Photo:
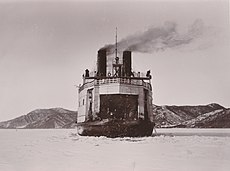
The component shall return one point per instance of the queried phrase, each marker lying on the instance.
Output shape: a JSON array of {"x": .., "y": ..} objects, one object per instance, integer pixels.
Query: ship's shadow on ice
[{"x": 76, "y": 137}]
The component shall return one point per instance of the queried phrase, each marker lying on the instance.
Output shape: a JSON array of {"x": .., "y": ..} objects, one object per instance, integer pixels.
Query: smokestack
[
  {"x": 101, "y": 63},
  {"x": 127, "y": 63}
]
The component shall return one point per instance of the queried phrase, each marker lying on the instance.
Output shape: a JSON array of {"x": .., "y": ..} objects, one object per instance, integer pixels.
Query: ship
[{"x": 114, "y": 100}]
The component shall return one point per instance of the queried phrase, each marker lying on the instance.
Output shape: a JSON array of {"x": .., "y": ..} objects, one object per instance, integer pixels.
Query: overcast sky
[{"x": 45, "y": 46}]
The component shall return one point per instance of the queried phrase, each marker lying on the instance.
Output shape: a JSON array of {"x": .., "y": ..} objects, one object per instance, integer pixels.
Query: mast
[{"x": 116, "y": 44}]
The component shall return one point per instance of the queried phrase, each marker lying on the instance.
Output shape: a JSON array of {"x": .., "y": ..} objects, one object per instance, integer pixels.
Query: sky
[{"x": 46, "y": 45}]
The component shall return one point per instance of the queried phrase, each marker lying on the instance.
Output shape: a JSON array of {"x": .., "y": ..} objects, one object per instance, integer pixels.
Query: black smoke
[{"x": 158, "y": 38}]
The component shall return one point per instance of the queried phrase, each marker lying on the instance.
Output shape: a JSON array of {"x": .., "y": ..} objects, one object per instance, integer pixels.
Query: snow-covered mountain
[
  {"x": 202, "y": 116},
  {"x": 215, "y": 119},
  {"x": 42, "y": 118}
]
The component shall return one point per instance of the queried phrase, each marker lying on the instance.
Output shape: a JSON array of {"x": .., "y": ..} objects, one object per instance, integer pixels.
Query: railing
[
  {"x": 113, "y": 80},
  {"x": 135, "y": 74}
]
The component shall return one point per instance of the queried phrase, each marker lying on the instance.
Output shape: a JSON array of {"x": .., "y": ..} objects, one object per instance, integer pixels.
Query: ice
[{"x": 63, "y": 150}]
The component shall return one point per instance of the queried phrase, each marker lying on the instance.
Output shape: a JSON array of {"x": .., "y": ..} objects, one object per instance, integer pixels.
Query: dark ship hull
[{"x": 116, "y": 128}]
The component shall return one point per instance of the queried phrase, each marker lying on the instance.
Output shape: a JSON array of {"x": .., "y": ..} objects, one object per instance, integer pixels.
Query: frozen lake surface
[{"x": 64, "y": 150}]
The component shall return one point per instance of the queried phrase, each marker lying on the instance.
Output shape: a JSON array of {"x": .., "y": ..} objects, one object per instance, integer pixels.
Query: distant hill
[
  {"x": 202, "y": 116},
  {"x": 42, "y": 118}
]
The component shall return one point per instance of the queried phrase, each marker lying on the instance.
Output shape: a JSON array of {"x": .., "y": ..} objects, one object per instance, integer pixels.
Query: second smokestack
[{"x": 127, "y": 63}]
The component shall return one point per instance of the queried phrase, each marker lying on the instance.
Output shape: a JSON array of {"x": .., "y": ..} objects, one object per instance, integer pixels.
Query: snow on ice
[{"x": 64, "y": 150}]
